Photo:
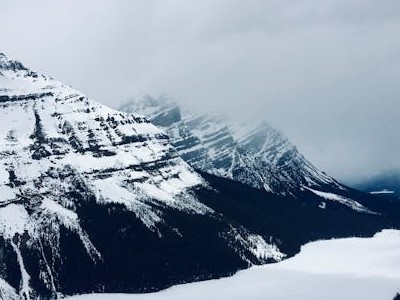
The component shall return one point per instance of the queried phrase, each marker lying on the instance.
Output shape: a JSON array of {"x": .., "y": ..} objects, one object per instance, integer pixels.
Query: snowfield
[{"x": 353, "y": 268}]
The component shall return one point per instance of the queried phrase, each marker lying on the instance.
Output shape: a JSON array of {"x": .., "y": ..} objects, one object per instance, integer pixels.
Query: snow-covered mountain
[
  {"x": 96, "y": 200},
  {"x": 60, "y": 153},
  {"x": 251, "y": 152}
]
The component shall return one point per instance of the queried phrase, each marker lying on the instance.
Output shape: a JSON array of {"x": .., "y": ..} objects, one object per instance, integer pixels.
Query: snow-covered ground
[{"x": 353, "y": 268}]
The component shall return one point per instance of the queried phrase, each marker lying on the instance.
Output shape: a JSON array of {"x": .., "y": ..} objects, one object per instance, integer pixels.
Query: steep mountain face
[
  {"x": 69, "y": 166},
  {"x": 95, "y": 200},
  {"x": 253, "y": 153},
  {"x": 257, "y": 155}
]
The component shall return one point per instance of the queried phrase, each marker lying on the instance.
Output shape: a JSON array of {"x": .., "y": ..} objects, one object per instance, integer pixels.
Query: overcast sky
[{"x": 325, "y": 72}]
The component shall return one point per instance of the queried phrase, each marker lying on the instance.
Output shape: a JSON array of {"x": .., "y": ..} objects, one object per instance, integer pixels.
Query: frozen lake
[{"x": 352, "y": 268}]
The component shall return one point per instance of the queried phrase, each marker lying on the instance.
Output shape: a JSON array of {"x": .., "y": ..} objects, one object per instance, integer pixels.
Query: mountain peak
[
  {"x": 8, "y": 64},
  {"x": 250, "y": 151},
  {"x": 73, "y": 171}
]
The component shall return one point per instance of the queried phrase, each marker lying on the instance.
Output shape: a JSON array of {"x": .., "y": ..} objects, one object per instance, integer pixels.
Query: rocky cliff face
[
  {"x": 250, "y": 152},
  {"x": 253, "y": 152},
  {"x": 67, "y": 163}
]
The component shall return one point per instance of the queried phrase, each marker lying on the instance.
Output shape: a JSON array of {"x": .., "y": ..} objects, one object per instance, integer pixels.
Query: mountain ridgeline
[
  {"x": 97, "y": 200},
  {"x": 251, "y": 152}
]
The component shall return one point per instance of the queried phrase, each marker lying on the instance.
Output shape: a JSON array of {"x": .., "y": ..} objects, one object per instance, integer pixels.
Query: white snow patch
[
  {"x": 7, "y": 291},
  {"x": 25, "y": 289},
  {"x": 6, "y": 193},
  {"x": 261, "y": 249},
  {"x": 68, "y": 217},
  {"x": 13, "y": 219},
  {"x": 382, "y": 192},
  {"x": 343, "y": 200}
]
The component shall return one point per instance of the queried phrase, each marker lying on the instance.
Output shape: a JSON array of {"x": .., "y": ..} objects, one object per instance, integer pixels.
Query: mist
[{"x": 323, "y": 72}]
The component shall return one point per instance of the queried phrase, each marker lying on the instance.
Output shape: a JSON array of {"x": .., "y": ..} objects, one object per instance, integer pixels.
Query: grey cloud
[{"x": 324, "y": 72}]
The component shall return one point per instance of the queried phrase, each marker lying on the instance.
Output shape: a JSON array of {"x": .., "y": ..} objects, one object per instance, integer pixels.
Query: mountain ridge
[
  {"x": 64, "y": 152},
  {"x": 248, "y": 151},
  {"x": 95, "y": 200}
]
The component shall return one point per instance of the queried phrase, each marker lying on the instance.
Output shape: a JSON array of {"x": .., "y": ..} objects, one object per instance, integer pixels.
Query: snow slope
[
  {"x": 346, "y": 269},
  {"x": 249, "y": 151},
  {"x": 61, "y": 153}
]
